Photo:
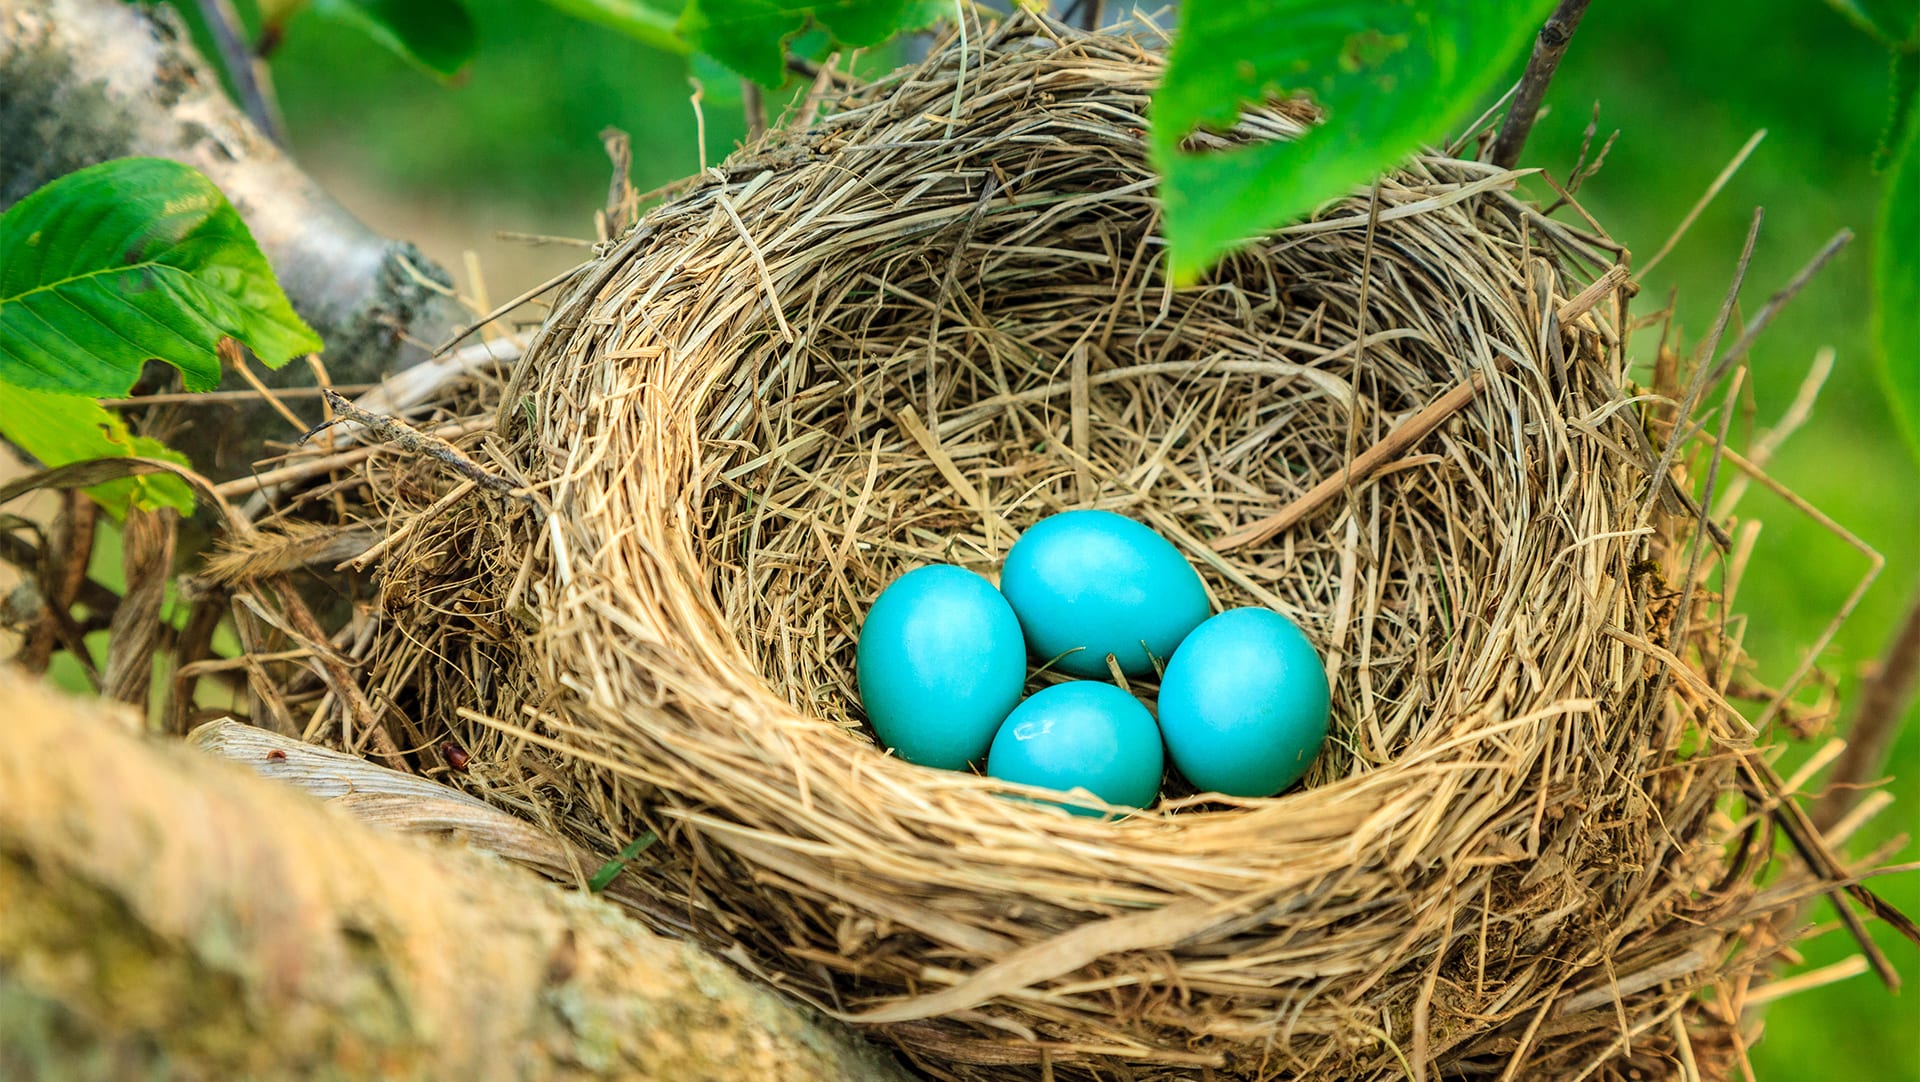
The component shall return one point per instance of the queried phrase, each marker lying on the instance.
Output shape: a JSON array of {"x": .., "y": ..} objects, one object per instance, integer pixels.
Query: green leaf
[
  {"x": 750, "y": 36},
  {"x": 1890, "y": 21},
  {"x": 130, "y": 260},
  {"x": 642, "y": 22},
  {"x": 1903, "y": 100},
  {"x": 1389, "y": 76},
  {"x": 59, "y": 429},
  {"x": 434, "y": 34},
  {"x": 608, "y": 872},
  {"x": 1896, "y": 284}
]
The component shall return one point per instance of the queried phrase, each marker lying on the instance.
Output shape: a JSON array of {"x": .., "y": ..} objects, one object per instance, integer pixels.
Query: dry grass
[{"x": 1540, "y": 843}]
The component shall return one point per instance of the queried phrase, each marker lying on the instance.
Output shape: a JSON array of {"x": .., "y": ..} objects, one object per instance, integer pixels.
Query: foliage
[
  {"x": 1387, "y": 76},
  {"x": 750, "y": 36},
  {"x": 1895, "y": 24},
  {"x": 1897, "y": 287},
  {"x": 436, "y": 36},
  {"x": 640, "y": 21},
  {"x": 102, "y": 270},
  {"x": 61, "y": 428},
  {"x": 128, "y": 260}
]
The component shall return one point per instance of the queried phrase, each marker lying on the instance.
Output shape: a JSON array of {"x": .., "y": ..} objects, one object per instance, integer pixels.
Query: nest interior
[{"x": 902, "y": 333}]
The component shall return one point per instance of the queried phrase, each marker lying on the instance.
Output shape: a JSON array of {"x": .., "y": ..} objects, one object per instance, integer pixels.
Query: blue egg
[
  {"x": 940, "y": 664},
  {"x": 1091, "y": 583},
  {"x": 1082, "y": 735},
  {"x": 1244, "y": 704}
]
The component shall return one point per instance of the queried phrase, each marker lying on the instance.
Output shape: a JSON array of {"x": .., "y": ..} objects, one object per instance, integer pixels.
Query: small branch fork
[
  {"x": 1547, "y": 51},
  {"x": 407, "y": 438}
]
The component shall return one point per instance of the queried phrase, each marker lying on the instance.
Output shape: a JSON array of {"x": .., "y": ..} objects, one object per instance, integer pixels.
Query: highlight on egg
[
  {"x": 1244, "y": 704},
  {"x": 1082, "y": 735},
  {"x": 940, "y": 664},
  {"x": 1086, "y": 584}
]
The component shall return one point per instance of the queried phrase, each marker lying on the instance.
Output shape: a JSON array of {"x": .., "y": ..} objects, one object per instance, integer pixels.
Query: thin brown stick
[
  {"x": 410, "y": 439},
  {"x": 1886, "y": 692},
  {"x": 147, "y": 562},
  {"x": 1706, "y": 197},
  {"x": 325, "y": 464},
  {"x": 1404, "y": 435},
  {"x": 1547, "y": 51},
  {"x": 754, "y": 105},
  {"x": 200, "y": 398}
]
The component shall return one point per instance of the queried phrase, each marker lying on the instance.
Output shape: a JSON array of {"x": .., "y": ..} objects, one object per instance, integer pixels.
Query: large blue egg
[
  {"x": 940, "y": 665},
  {"x": 1244, "y": 704},
  {"x": 1091, "y": 583},
  {"x": 1082, "y": 735}
]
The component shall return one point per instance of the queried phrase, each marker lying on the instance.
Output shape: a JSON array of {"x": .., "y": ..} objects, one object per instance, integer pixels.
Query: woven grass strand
[{"x": 850, "y": 350}]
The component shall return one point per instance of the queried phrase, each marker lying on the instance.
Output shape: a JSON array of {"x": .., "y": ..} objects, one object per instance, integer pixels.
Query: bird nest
[{"x": 909, "y": 329}]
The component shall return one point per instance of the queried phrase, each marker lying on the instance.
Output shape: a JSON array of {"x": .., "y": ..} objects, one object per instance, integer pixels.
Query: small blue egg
[
  {"x": 1082, "y": 735},
  {"x": 940, "y": 664},
  {"x": 1244, "y": 704},
  {"x": 1086, "y": 584}
]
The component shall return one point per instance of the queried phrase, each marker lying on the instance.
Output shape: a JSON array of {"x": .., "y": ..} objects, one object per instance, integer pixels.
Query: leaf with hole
[
  {"x": 127, "y": 261},
  {"x": 59, "y": 429},
  {"x": 436, "y": 35},
  {"x": 1386, "y": 77}
]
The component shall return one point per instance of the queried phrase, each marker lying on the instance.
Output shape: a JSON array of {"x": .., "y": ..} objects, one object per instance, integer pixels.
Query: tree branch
[
  {"x": 1547, "y": 51},
  {"x": 1885, "y": 695},
  {"x": 233, "y": 928}
]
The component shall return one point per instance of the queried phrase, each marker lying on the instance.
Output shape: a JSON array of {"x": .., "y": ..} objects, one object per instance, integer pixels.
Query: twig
[
  {"x": 1779, "y": 300},
  {"x": 408, "y": 438},
  {"x": 256, "y": 484},
  {"x": 62, "y": 574},
  {"x": 230, "y": 398},
  {"x": 622, "y": 208},
  {"x": 462, "y": 334},
  {"x": 251, "y": 80},
  {"x": 1885, "y": 694},
  {"x": 1404, "y": 435},
  {"x": 755, "y": 107},
  {"x": 800, "y": 65},
  {"x": 229, "y": 351},
  {"x": 1706, "y": 197},
  {"x": 1547, "y": 51}
]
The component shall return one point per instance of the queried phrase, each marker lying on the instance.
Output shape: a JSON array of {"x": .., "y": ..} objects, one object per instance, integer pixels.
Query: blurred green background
[{"x": 514, "y": 146}]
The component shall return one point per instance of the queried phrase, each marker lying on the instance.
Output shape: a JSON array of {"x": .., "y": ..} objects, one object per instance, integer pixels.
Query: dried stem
[
  {"x": 1547, "y": 51},
  {"x": 1885, "y": 695},
  {"x": 408, "y": 438}
]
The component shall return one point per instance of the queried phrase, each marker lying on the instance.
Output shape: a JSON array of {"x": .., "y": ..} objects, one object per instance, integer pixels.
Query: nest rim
[{"x": 640, "y": 731}]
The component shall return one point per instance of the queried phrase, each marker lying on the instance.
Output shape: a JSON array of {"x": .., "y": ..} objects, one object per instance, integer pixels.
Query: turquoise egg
[
  {"x": 940, "y": 664},
  {"x": 1082, "y": 735},
  {"x": 1244, "y": 704},
  {"x": 1091, "y": 583}
]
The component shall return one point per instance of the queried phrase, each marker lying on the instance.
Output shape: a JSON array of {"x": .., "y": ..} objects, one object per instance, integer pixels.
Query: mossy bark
[{"x": 224, "y": 927}]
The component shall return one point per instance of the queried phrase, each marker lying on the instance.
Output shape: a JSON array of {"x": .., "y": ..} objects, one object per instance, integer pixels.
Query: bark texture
[
  {"x": 222, "y": 926},
  {"x": 82, "y": 81}
]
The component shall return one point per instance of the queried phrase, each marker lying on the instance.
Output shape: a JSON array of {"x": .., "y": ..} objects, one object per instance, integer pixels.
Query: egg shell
[
  {"x": 1086, "y": 584},
  {"x": 1244, "y": 704},
  {"x": 1083, "y": 735},
  {"x": 940, "y": 664}
]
